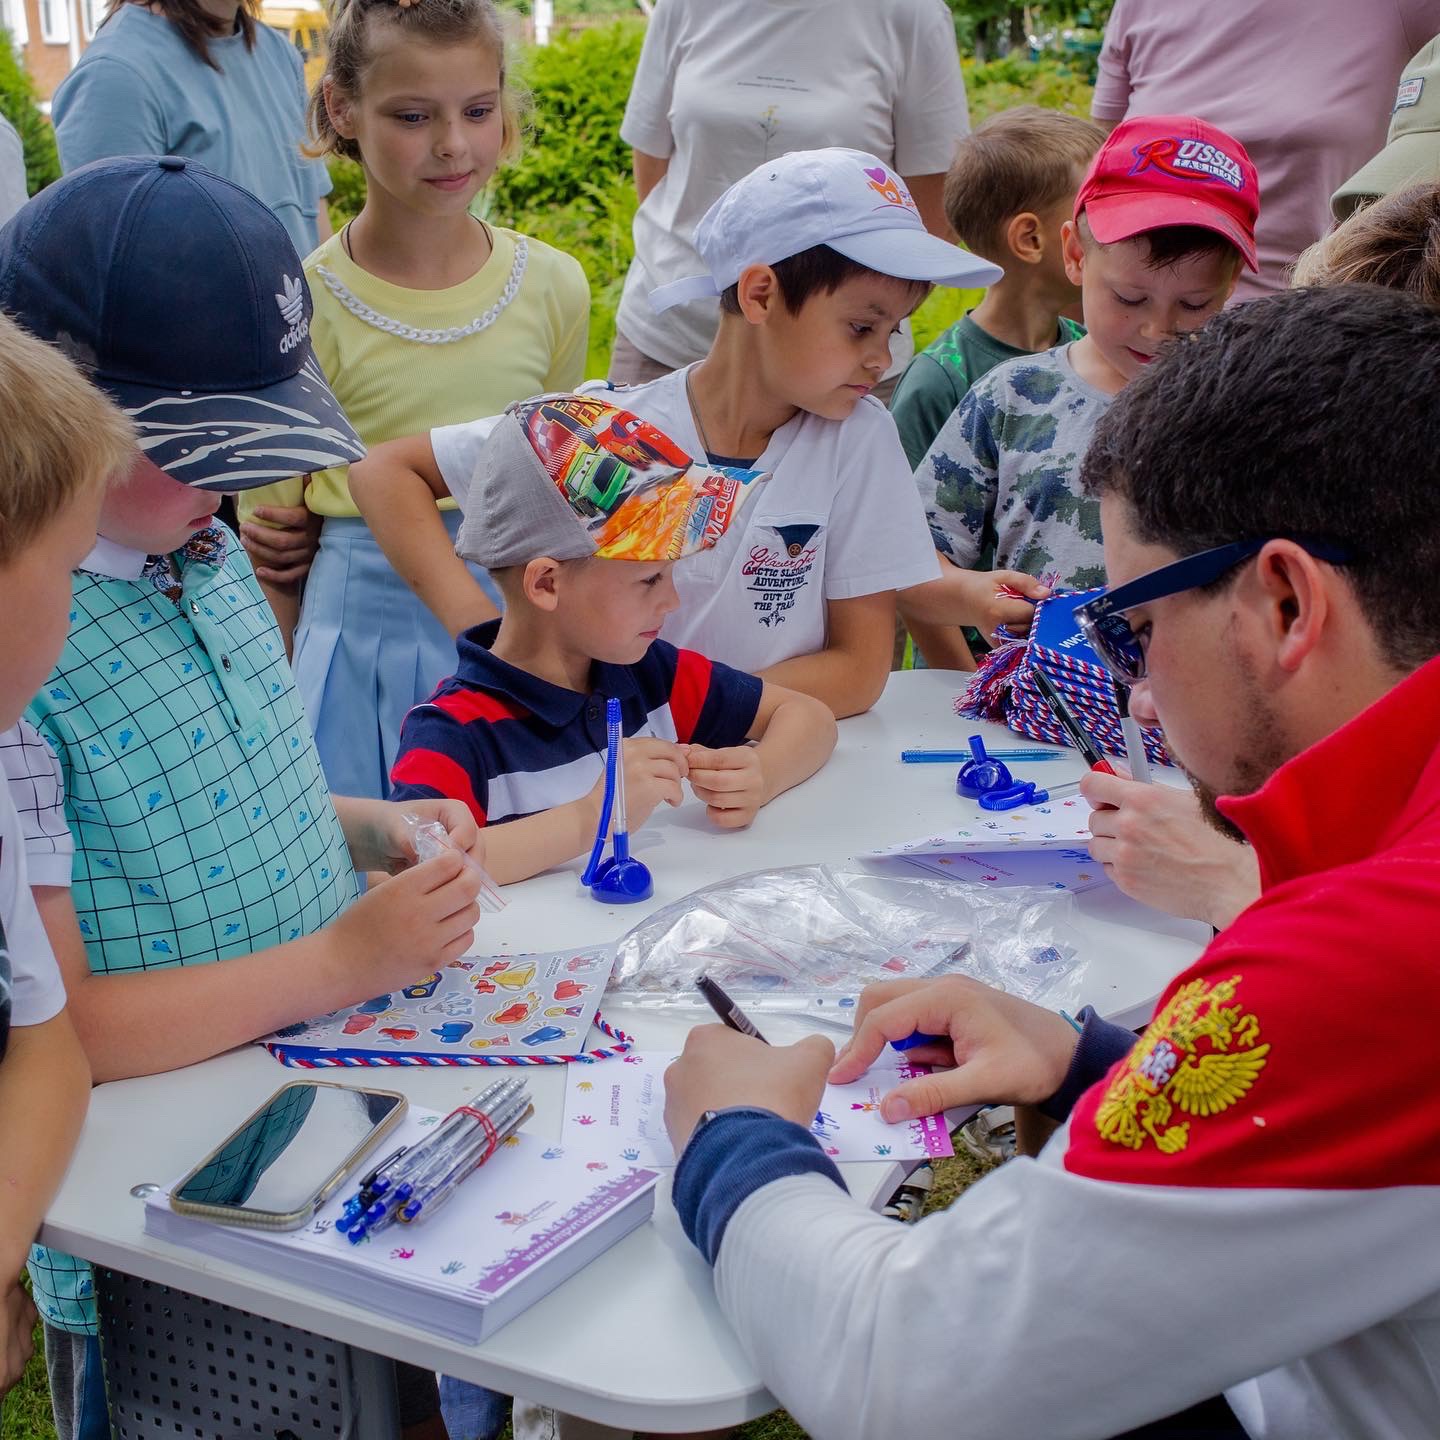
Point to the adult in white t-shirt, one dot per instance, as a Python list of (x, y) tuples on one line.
[(724, 85), (1305, 85), (837, 517)]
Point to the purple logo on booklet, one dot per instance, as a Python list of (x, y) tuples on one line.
[(930, 1131), (543, 1243)]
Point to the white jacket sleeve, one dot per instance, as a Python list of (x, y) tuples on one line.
[(1090, 1306)]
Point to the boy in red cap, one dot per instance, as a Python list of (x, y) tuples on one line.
[(1163, 221)]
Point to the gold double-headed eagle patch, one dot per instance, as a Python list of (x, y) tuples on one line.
[(1199, 1055)]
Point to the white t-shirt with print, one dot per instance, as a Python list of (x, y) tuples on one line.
[(724, 85), (838, 517), (31, 990)]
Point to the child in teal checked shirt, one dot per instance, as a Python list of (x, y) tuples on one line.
[(203, 827)]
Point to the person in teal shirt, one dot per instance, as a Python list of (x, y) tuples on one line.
[(203, 828), (178, 77)]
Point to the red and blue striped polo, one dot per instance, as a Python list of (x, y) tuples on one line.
[(510, 744)]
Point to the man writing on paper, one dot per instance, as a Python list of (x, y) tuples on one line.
[(1212, 1216)]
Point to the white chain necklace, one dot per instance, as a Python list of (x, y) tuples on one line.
[(361, 311)]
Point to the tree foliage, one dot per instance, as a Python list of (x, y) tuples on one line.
[(17, 104)]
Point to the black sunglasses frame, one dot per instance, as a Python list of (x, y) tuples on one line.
[(1102, 620)]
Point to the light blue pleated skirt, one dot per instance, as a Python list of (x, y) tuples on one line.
[(366, 650)]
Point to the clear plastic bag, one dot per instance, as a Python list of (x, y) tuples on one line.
[(809, 938)]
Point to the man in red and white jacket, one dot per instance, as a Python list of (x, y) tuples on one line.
[(1247, 1199)]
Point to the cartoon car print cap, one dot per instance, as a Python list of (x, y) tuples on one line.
[(570, 476), (180, 294), (845, 199), (1156, 171)]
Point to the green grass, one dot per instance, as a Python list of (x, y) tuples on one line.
[(25, 1414)]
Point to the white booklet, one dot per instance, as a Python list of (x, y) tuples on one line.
[(523, 1223)]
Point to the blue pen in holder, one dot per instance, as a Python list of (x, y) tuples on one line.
[(622, 879)]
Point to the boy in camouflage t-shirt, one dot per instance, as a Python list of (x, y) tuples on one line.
[(1000, 473), (1163, 220)]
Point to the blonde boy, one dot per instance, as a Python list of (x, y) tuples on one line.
[(63, 441), (582, 512), (1010, 190)]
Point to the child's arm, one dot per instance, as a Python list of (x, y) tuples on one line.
[(849, 673), (969, 597), (44, 1089), (395, 488), (794, 736), (142, 1023), (517, 849)]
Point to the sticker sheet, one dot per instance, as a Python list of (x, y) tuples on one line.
[(615, 1112), (1062, 824), (518, 1005)]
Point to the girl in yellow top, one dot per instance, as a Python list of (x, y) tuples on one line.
[(424, 316)]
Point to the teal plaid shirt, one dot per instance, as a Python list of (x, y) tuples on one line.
[(203, 826)]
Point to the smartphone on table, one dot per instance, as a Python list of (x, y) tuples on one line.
[(289, 1157)]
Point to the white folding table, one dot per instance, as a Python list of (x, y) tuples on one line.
[(636, 1339)]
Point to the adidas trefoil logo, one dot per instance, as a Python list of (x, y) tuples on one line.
[(291, 301)]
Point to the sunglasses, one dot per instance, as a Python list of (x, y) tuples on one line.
[(1104, 623)]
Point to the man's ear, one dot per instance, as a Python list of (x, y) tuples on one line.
[(1292, 584), (758, 292), (337, 107), (541, 583), (1073, 248), (1025, 237)]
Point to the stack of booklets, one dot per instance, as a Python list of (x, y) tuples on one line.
[(524, 1222), (1057, 647)]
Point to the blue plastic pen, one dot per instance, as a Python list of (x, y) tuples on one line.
[(951, 757)]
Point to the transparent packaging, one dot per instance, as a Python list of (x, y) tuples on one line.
[(430, 838), (808, 938)]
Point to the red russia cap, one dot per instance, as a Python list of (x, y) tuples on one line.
[(1159, 170)]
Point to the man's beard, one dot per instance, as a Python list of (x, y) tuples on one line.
[(1262, 753), (1210, 811)]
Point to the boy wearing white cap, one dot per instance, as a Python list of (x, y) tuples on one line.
[(581, 511), (815, 258)]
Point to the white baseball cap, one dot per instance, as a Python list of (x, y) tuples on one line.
[(845, 199)]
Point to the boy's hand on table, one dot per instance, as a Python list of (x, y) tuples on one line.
[(17, 1330), (653, 772), (731, 782), (411, 925), (1159, 849), (720, 1068), (1001, 1049), (281, 541)]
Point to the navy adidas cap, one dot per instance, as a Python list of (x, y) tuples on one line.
[(180, 294)]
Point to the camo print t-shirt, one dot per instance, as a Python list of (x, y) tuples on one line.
[(1003, 473)]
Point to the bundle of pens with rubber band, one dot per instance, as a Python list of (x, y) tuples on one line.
[(1004, 688), (416, 1181)]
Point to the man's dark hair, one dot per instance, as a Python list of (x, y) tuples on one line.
[(1313, 414), (817, 270)]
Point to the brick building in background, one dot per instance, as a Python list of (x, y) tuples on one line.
[(49, 35)]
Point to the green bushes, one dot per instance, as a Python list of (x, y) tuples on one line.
[(573, 188), (17, 104)]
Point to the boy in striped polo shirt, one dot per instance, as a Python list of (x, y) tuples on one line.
[(211, 896), (581, 512)]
